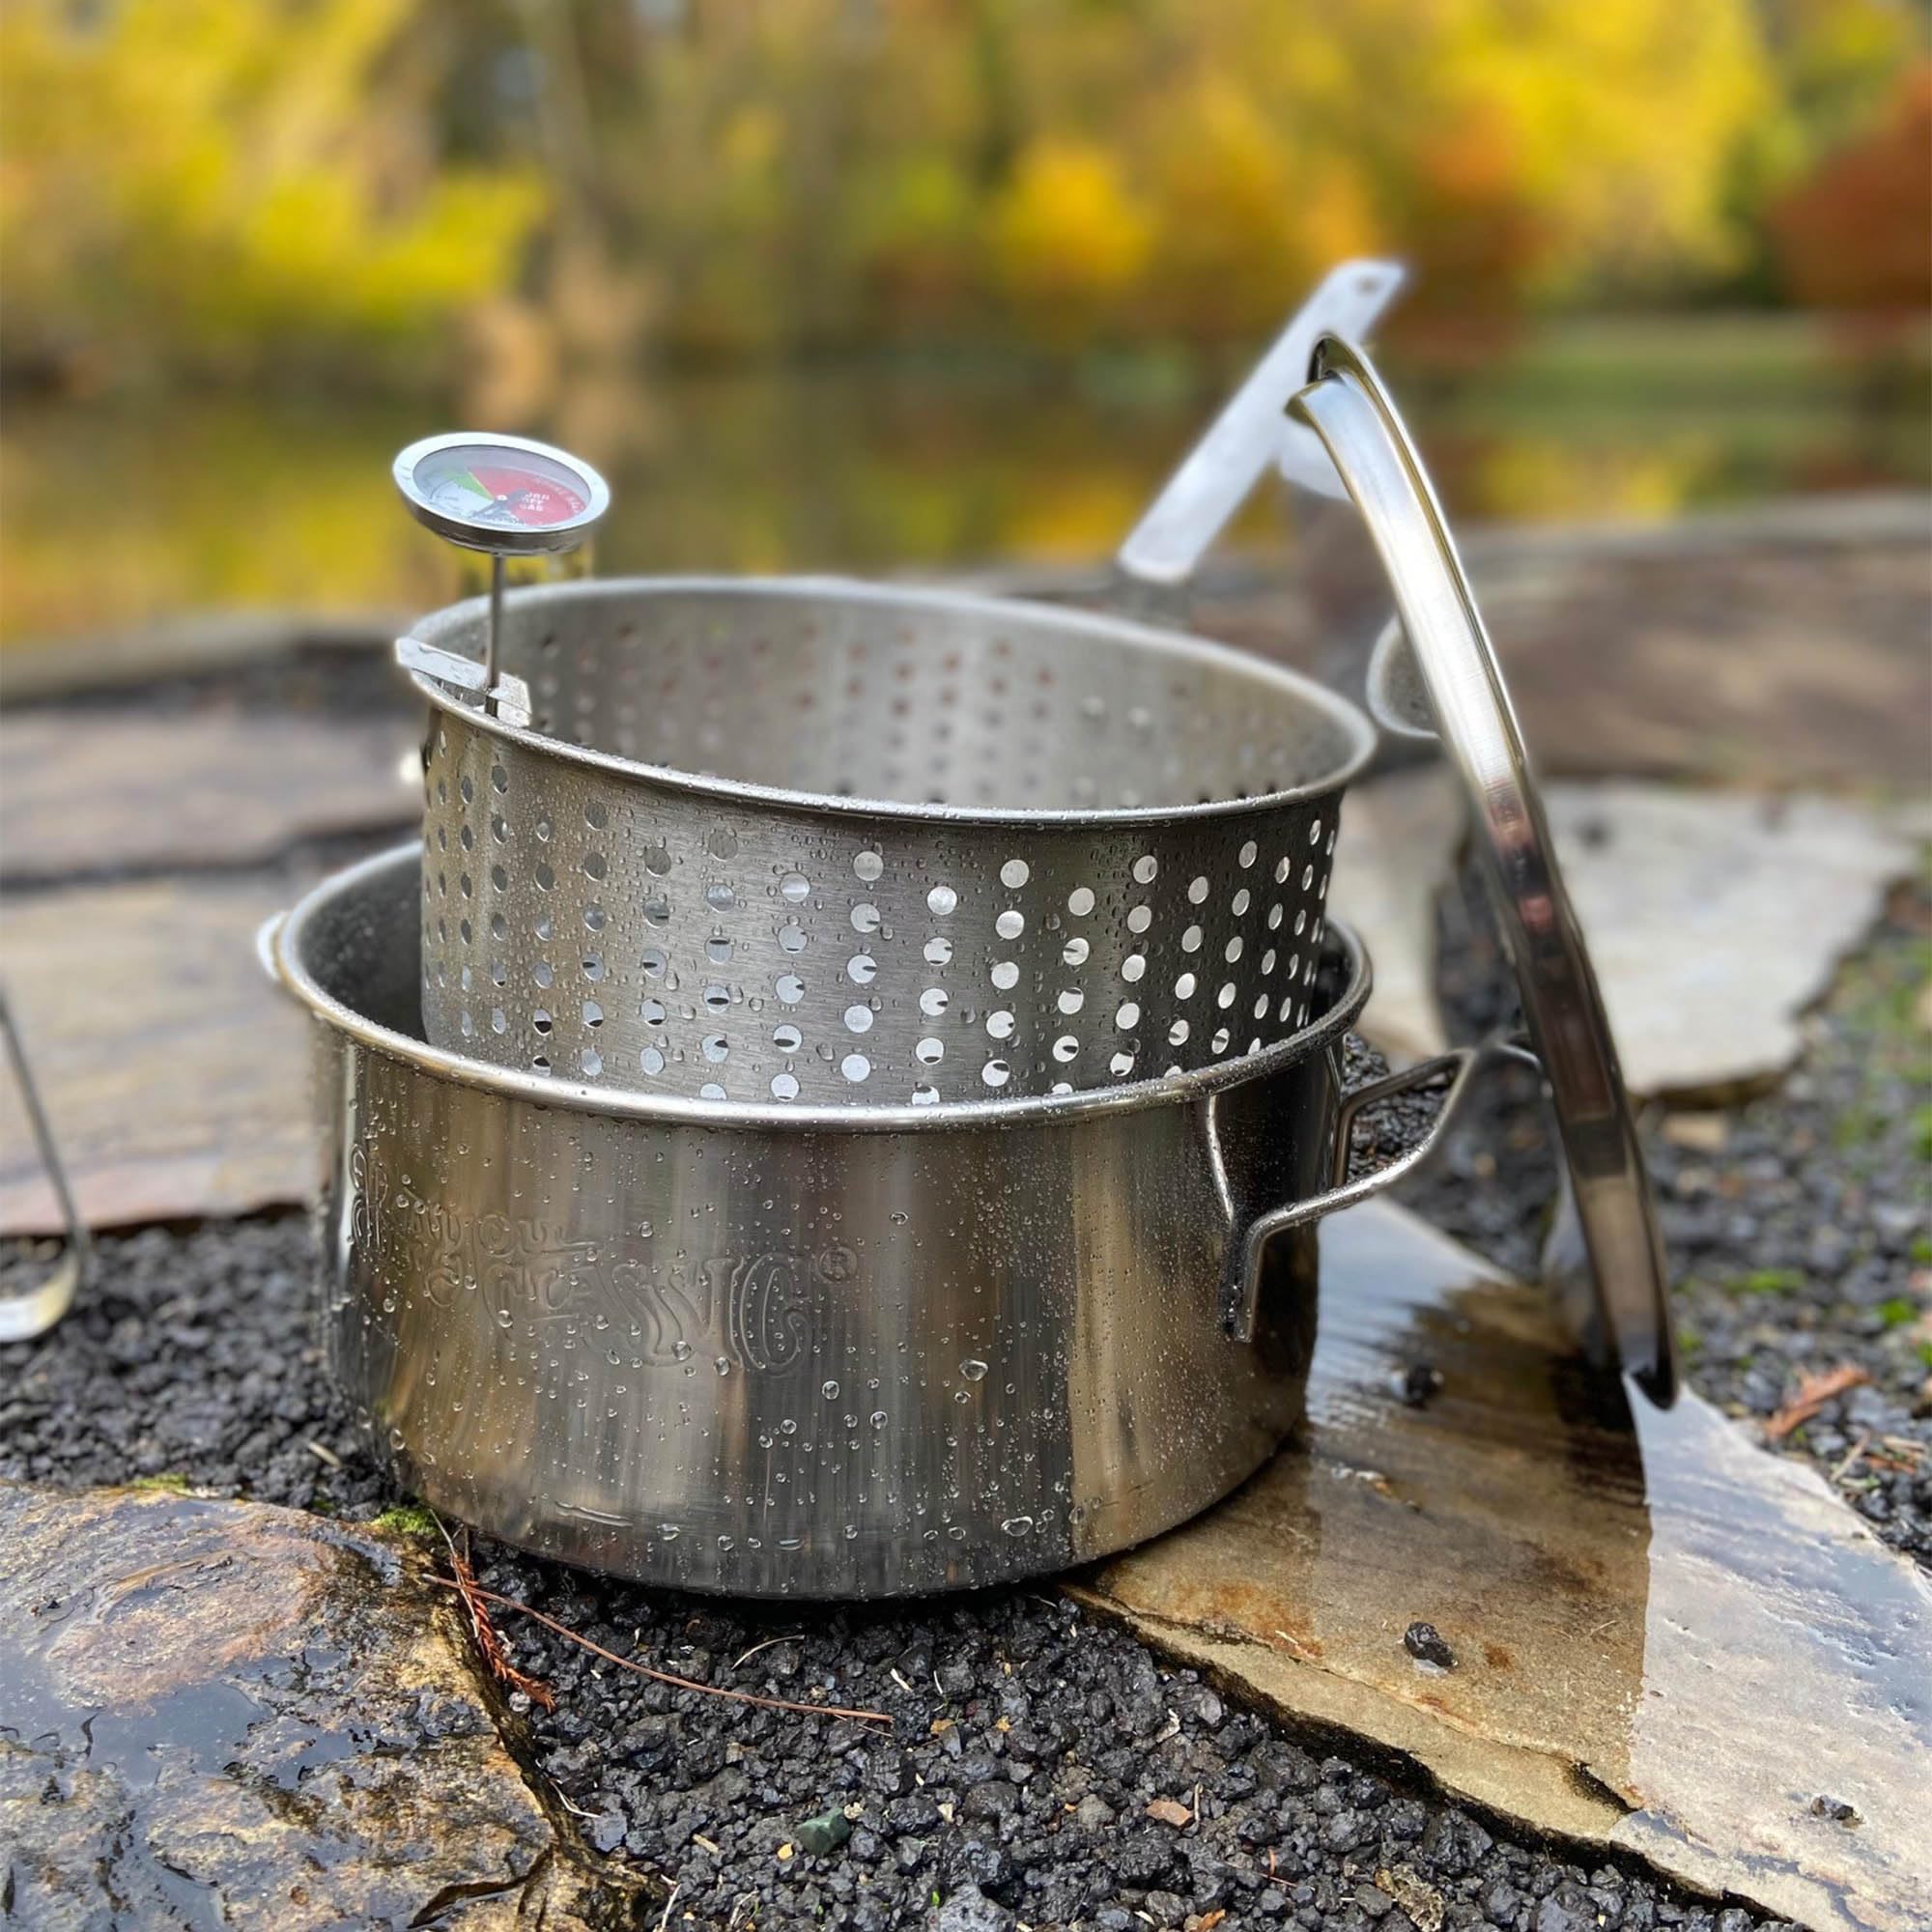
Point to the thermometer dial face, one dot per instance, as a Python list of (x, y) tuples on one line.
[(501, 493)]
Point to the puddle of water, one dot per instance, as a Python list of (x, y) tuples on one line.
[(1664, 1637), (208, 1708)]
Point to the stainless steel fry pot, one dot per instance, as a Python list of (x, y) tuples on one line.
[(820, 1343), (824, 1352)]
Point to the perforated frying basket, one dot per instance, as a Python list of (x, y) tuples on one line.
[(818, 840)]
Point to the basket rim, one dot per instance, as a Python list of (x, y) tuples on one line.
[(286, 949), (1358, 733)]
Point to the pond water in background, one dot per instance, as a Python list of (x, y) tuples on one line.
[(115, 515)]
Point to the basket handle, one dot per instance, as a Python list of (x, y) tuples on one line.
[(1250, 435), (507, 697)]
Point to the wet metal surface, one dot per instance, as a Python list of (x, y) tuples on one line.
[(773, 1359), (224, 1714), (1663, 1639)]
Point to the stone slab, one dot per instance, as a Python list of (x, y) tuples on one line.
[(192, 645), (1716, 918), (175, 1077), (1784, 646), (217, 1713), (112, 791), (1666, 1640)]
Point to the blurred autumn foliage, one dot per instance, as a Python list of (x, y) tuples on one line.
[(197, 186), (226, 188), (1878, 189)]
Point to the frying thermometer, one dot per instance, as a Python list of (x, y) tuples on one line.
[(504, 495)]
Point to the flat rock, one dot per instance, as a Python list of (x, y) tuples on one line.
[(175, 1077), (114, 791), (1714, 919), (190, 644), (1664, 1640), (217, 1713)]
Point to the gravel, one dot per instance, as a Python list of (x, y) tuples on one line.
[(194, 1358), (1029, 1740), (1028, 1745)]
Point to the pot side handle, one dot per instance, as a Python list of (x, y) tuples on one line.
[(1458, 1066), (265, 935)]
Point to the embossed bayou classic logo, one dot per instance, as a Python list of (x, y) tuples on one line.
[(755, 1308)]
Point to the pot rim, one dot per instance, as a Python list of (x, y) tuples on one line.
[(1358, 732), (286, 950)]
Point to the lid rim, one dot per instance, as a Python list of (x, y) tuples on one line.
[(1349, 409)]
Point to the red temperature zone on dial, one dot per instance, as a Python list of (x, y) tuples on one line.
[(533, 501)]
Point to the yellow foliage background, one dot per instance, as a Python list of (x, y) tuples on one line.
[(218, 189)]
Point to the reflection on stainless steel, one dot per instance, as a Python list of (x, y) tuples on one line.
[(823, 1350), (1348, 408), (30, 1312)]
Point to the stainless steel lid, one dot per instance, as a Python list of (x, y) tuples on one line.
[(1452, 673)]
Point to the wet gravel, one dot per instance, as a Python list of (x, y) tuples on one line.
[(194, 1358), (1029, 1740)]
